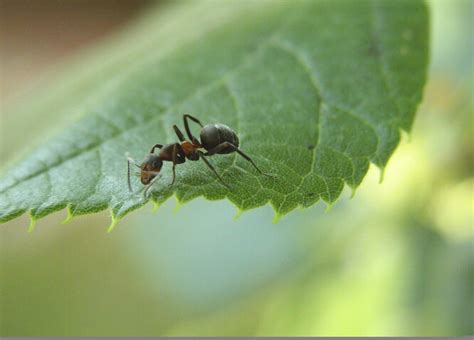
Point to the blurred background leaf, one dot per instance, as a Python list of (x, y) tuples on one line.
[(380, 264)]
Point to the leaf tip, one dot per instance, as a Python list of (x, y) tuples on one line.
[(113, 223), (353, 192), (382, 174), (238, 214), (276, 218), (155, 207), (179, 205), (69, 216), (32, 225), (329, 207), (406, 134)]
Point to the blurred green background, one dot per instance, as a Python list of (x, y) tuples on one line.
[(397, 259)]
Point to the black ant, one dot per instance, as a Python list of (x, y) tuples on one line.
[(215, 139)]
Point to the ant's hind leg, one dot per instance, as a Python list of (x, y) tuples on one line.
[(227, 145), (209, 165)]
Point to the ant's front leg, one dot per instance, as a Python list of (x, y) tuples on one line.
[(148, 186), (156, 146)]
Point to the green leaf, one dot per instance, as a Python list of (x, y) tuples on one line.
[(315, 90)]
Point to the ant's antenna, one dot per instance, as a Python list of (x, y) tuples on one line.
[(128, 175), (130, 160)]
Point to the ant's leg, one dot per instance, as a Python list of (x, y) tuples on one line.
[(178, 158), (181, 156), (200, 153), (148, 186), (175, 151), (179, 133), (156, 146), (188, 130), (227, 145), (130, 161)]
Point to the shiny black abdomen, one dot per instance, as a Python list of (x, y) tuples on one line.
[(214, 134)]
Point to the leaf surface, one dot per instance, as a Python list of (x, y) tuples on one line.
[(315, 90)]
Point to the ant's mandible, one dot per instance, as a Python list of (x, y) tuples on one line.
[(215, 139)]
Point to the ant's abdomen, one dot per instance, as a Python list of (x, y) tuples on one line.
[(214, 134)]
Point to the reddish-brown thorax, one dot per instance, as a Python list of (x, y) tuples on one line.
[(189, 148)]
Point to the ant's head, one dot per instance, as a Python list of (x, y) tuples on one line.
[(150, 167)]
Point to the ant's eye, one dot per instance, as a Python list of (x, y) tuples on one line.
[(157, 163)]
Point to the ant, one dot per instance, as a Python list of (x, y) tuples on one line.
[(215, 139)]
